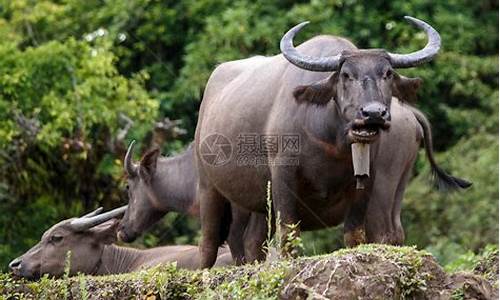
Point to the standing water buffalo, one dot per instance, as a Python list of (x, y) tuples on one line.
[(90, 240), (157, 185), (329, 94)]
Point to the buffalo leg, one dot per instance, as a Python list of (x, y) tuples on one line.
[(255, 237), (383, 222), (285, 198), (399, 233), (354, 223), (240, 219), (211, 212), (391, 231)]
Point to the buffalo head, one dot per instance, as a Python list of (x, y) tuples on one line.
[(141, 213), (363, 82), (85, 237)]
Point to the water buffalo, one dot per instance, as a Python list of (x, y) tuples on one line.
[(157, 185), (326, 94), (90, 240)]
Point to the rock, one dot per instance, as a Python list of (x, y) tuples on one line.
[(465, 285), (488, 268), (367, 272)]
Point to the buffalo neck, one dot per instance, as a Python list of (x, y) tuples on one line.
[(326, 127), (174, 184), (117, 260)]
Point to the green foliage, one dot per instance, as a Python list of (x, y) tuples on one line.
[(451, 224), (60, 104), (323, 241), (469, 260), (174, 229), (164, 282), (293, 242), (82, 283), (252, 282), (66, 283)]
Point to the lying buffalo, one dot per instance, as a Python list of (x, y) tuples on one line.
[(157, 185), (90, 240), (326, 94)]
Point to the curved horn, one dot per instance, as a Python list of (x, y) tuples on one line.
[(91, 214), (316, 64), (130, 167), (84, 223), (421, 56)]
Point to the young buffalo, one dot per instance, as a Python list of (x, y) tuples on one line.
[(158, 185), (90, 242)]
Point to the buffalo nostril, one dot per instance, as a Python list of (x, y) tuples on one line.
[(374, 111), (15, 264)]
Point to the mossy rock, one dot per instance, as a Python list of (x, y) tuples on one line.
[(488, 267), (368, 272), (365, 272)]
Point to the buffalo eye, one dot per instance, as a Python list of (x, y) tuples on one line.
[(346, 76), (56, 238), (388, 74), (127, 187)]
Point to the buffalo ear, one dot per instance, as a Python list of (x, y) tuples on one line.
[(405, 88), (147, 167), (105, 233), (317, 93)]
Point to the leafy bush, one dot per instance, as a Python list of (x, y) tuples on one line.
[(60, 107)]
